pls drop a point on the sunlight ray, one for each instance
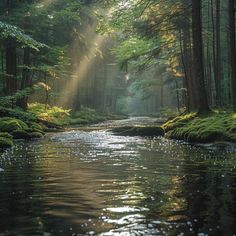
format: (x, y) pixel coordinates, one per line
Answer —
(80, 72)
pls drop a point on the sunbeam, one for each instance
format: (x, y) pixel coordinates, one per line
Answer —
(84, 65)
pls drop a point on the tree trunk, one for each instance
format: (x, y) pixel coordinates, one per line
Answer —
(11, 71)
(218, 56)
(232, 50)
(26, 79)
(203, 106)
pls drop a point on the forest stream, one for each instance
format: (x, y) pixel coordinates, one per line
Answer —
(88, 181)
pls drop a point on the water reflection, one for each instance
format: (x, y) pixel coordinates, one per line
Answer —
(95, 183)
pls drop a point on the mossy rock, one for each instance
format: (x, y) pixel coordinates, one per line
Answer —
(149, 131)
(8, 124)
(36, 135)
(33, 130)
(6, 135)
(34, 125)
(178, 121)
(5, 142)
(26, 134)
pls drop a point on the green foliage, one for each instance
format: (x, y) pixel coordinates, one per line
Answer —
(53, 114)
(10, 101)
(17, 113)
(132, 49)
(9, 31)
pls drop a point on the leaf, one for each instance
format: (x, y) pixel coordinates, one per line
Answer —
(10, 31)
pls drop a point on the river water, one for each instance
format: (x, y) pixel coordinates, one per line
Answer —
(91, 182)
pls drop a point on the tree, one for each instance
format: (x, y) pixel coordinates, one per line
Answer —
(231, 6)
(199, 77)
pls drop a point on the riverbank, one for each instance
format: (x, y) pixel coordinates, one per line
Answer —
(17, 124)
(215, 126)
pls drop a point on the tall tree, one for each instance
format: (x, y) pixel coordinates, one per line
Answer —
(218, 79)
(232, 49)
(203, 106)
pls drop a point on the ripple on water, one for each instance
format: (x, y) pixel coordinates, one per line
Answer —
(95, 183)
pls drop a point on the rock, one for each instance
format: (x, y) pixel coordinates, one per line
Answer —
(148, 131)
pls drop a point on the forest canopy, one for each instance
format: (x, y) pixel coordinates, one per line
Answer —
(126, 53)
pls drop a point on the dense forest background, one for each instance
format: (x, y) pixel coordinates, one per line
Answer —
(135, 57)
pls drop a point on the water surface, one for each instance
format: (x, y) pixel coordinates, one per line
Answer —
(91, 182)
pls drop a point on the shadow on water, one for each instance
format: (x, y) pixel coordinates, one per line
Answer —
(91, 182)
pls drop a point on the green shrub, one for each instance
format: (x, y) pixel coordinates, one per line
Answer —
(56, 115)
(17, 113)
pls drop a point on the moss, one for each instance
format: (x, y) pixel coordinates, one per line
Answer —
(27, 134)
(6, 135)
(34, 125)
(5, 142)
(8, 124)
(36, 135)
(178, 121)
(149, 131)
(17, 113)
(204, 129)
(32, 130)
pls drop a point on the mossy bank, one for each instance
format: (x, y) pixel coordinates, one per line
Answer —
(17, 124)
(215, 126)
(12, 128)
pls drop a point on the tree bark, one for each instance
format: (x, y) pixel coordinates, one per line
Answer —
(232, 50)
(26, 78)
(11, 70)
(203, 106)
(218, 56)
